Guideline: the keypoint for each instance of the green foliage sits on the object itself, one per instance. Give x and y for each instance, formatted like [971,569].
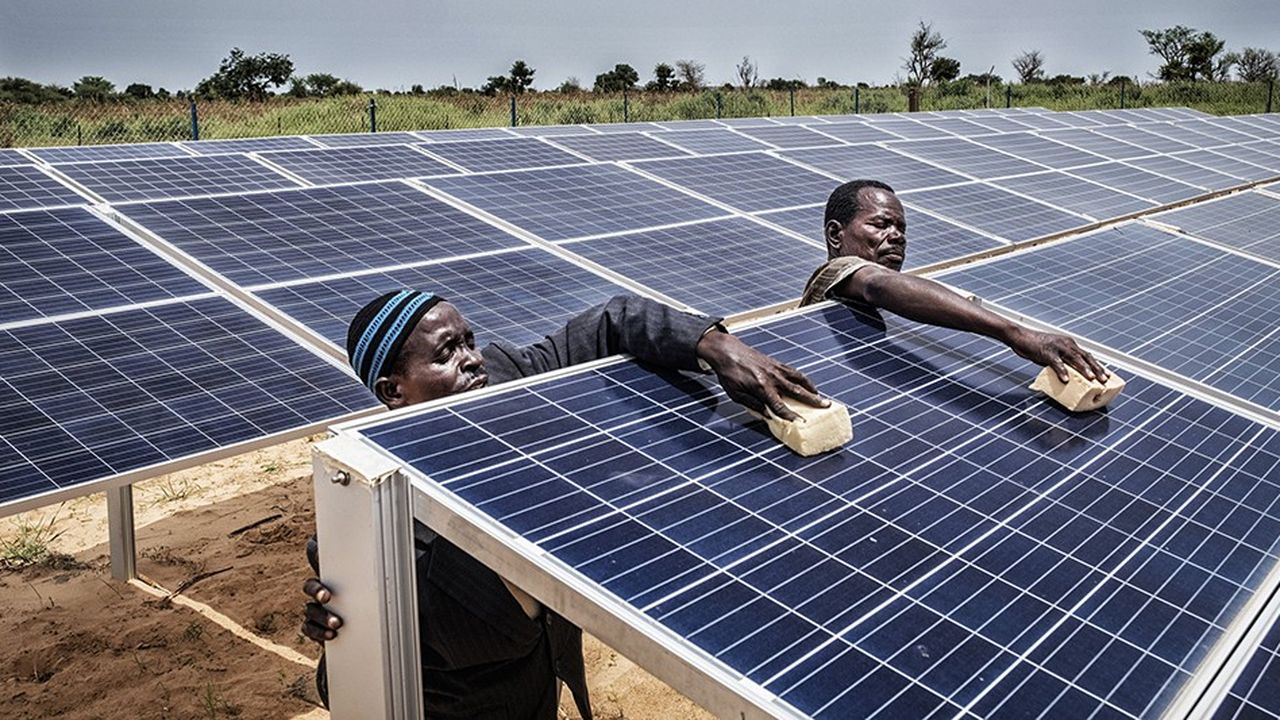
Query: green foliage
[22,90]
[246,77]
[29,543]
[521,76]
[784,84]
[1257,65]
[1188,54]
[622,77]
[323,85]
[923,52]
[1029,65]
[664,78]
[93,87]
[944,69]
[138,91]
[576,114]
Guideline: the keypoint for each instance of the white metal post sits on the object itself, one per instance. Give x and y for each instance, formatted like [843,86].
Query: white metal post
[120,532]
[364,523]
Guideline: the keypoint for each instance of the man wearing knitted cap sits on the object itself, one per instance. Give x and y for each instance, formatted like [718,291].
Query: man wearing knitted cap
[865,229]
[490,651]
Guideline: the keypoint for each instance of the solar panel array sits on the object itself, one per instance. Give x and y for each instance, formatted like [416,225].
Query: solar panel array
[969,519]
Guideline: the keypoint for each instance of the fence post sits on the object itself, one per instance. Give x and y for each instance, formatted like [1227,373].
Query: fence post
[793,101]
[626,107]
[1008,97]
[1122,86]
[1271,87]
[719,106]
[513,110]
[195,122]
[373,115]
[856,99]
[79,134]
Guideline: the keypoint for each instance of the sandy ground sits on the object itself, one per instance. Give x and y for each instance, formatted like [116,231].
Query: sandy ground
[81,645]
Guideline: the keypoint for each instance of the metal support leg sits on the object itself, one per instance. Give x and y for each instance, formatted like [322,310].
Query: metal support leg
[120,529]
[364,522]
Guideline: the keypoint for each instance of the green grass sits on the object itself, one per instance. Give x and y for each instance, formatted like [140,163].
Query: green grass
[74,122]
[30,543]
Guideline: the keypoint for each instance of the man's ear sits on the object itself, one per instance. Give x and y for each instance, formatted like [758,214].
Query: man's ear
[831,233]
[388,391]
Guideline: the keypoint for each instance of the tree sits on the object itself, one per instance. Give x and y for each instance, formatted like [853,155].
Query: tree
[826,84]
[986,78]
[664,78]
[945,69]
[1099,78]
[1188,54]
[521,76]
[924,47]
[94,87]
[1030,66]
[323,85]
[139,91]
[784,84]
[22,90]
[690,74]
[248,77]
[1257,65]
[571,84]
[748,72]
[496,84]
[621,78]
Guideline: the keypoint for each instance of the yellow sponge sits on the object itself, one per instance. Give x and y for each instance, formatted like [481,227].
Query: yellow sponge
[1079,394]
[817,430]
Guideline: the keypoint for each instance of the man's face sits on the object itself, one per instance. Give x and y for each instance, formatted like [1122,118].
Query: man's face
[438,359]
[877,232]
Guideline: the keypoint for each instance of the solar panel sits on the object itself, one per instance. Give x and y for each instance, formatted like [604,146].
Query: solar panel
[1187,172]
[856,132]
[1040,149]
[1193,309]
[745,122]
[1078,119]
[13,157]
[512,154]
[690,124]
[1099,144]
[709,142]
[1228,166]
[1229,129]
[957,126]
[461,134]
[1142,138]
[966,157]
[125,180]
[747,181]
[1254,694]
[91,397]
[870,161]
[1183,134]
[995,211]
[973,549]
[789,136]
[1045,121]
[360,139]
[352,164]
[271,237]
[1144,184]
[1247,221]
[25,186]
[626,127]
[721,267]
[798,120]
[515,296]
[1080,196]
[572,202]
[54,262]
[88,153]
[619,146]
[1257,153]
[999,124]
[550,130]
[909,129]
[244,145]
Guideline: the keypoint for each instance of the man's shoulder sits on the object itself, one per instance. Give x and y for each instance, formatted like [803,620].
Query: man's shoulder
[830,274]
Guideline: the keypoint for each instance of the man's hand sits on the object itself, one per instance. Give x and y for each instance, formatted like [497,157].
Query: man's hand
[754,379]
[319,624]
[1055,351]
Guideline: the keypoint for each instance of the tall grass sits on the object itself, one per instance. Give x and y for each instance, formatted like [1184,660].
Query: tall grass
[75,122]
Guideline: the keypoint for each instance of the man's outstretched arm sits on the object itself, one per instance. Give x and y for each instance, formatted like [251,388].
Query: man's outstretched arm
[926,301]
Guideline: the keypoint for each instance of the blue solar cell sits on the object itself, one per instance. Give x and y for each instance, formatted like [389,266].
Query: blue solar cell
[360,139]
[13,157]
[789,136]
[745,122]
[930,565]
[748,181]
[511,154]
[125,180]
[1047,121]
[721,267]
[995,211]
[799,120]
[1215,161]
[626,127]
[54,262]
[25,186]
[1193,309]
[1080,196]
[1142,138]
[1248,221]
[1144,184]
[999,124]
[966,157]
[1229,130]
[1040,149]
[856,132]
[690,124]
[352,164]
[905,128]
[84,399]
[550,130]
[619,146]
[244,145]
[871,161]
[461,134]
[1256,692]
[515,297]
[84,153]
[1182,133]
[1186,172]
[564,203]
[957,126]
[1256,153]
[709,142]
[1097,144]
[271,237]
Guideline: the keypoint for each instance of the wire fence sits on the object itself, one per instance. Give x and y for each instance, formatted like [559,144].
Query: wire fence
[81,122]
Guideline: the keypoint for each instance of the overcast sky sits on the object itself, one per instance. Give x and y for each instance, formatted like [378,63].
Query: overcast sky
[395,44]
